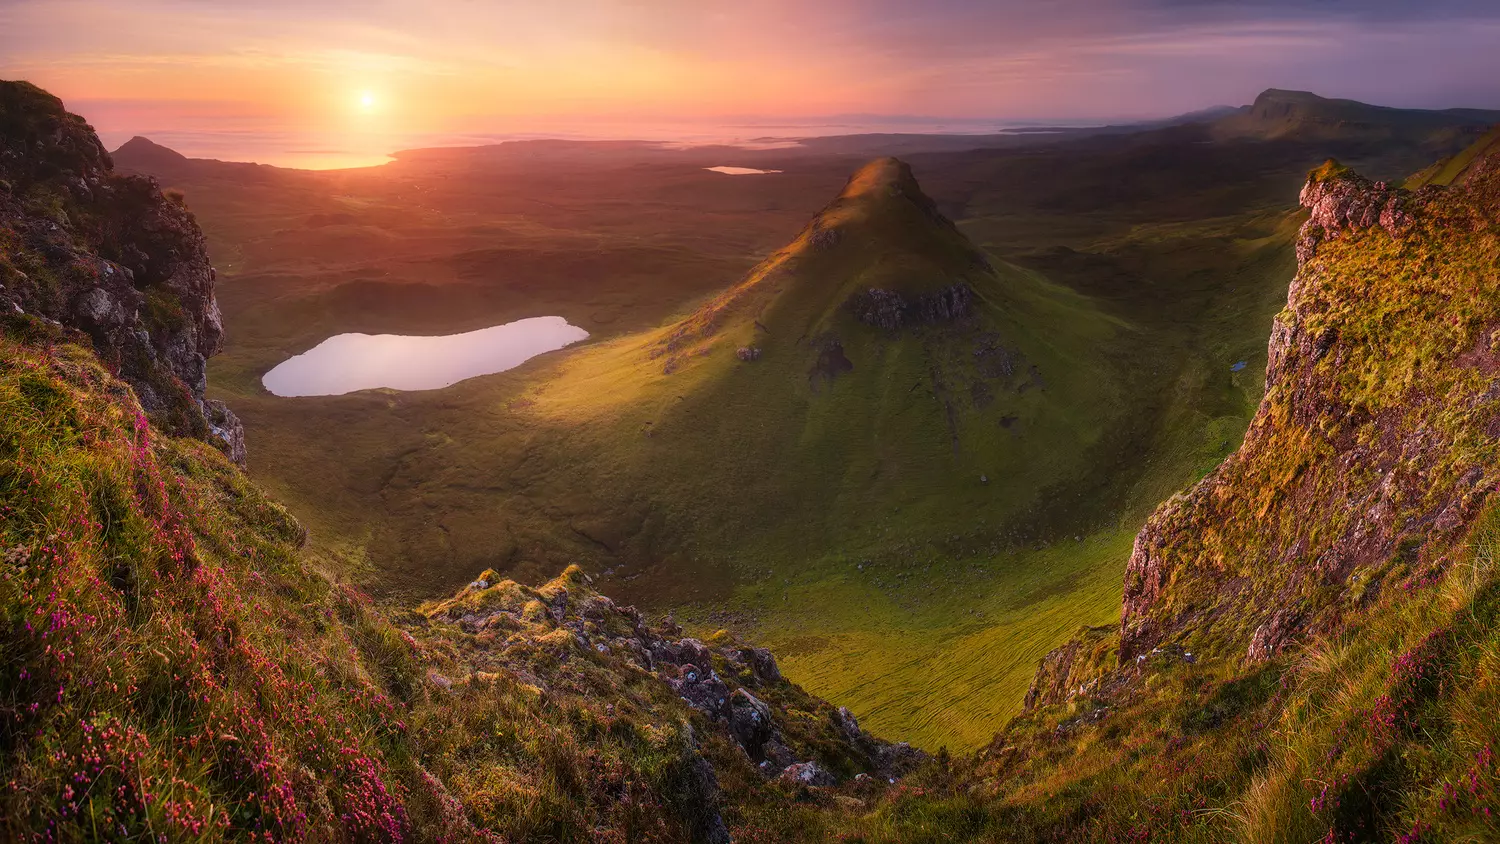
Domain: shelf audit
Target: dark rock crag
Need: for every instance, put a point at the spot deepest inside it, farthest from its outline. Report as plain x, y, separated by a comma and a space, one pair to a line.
110, 256
892, 310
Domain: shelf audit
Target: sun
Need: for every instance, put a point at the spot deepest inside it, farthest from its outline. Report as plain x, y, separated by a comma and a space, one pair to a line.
367, 101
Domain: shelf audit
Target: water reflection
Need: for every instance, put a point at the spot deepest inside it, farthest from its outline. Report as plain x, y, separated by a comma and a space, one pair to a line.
740, 171
350, 362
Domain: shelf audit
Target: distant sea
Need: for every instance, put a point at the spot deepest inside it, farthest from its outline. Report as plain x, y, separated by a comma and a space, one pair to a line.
323, 151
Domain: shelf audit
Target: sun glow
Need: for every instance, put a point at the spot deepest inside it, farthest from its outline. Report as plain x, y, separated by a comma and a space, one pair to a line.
368, 101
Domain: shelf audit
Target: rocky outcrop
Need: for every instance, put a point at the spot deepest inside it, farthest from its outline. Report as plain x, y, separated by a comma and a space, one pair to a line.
1339, 200
737, 689
1074, 669
1377, 440
113, 257
893, 311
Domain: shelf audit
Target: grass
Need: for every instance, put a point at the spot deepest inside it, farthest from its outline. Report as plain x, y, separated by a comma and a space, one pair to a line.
962, 648
710, 502
1134, 302
1372, 725
175, 666
175, 669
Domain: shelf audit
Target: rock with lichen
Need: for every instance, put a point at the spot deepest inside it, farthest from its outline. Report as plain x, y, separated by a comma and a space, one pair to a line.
110, 256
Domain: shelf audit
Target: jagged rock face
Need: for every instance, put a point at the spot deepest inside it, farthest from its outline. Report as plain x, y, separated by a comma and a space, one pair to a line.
892, 311
1071, 670
1376, 440
1341, 200
112, 257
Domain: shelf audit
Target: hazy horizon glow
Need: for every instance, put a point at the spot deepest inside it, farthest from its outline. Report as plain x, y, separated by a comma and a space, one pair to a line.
351, 69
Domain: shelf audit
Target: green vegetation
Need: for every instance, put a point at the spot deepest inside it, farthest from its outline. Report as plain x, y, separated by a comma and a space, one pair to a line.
1379, 732
1373, 444
1315, 623
840, 526
1453, 170
885, 526
176, 670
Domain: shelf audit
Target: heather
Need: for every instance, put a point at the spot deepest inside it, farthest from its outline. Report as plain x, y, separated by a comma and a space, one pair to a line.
176, 667
171, 668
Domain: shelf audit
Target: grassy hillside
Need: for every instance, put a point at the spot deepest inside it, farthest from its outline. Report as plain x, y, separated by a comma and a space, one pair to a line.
762, 494
1316, 622
853, 521
852, 525
176, 669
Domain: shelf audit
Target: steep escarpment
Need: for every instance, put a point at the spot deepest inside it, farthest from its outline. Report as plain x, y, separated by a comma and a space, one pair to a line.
1375, 445
111, 256
1315, 622
1304, 115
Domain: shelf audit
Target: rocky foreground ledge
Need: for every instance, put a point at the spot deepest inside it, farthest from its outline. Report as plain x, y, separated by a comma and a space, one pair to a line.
736, 687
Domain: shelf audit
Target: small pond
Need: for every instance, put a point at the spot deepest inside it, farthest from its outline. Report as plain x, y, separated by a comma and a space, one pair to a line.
740, 171
350, 362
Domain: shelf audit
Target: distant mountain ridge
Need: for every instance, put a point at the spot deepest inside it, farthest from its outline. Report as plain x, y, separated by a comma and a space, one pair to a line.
1279, 113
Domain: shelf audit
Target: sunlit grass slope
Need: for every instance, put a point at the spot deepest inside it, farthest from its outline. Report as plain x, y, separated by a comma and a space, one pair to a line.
883, 501
174, 668
950, 501
843, 434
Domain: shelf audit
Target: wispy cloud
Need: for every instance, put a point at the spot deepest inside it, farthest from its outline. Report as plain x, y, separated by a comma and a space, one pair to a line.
1032, 58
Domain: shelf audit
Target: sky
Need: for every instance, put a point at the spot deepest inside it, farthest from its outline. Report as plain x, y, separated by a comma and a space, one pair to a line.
338, 68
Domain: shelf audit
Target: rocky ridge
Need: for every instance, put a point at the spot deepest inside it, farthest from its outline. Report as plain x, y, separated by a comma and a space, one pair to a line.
112, 257
1373, 450
1348, 480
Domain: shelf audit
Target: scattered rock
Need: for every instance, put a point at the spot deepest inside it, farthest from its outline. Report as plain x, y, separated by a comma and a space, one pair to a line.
749, 720
808, 774
763, 665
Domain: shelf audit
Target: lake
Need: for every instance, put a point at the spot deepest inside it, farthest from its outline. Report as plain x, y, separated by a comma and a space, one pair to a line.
740, 171
350, 362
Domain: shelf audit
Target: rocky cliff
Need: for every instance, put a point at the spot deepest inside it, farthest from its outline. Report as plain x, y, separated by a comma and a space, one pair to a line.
1375, 445
113, 257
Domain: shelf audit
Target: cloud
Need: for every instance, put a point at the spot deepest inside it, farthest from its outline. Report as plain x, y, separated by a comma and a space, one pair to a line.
1002, 58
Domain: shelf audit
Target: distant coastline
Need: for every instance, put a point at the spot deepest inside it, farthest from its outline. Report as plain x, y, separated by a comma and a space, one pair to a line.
326, 151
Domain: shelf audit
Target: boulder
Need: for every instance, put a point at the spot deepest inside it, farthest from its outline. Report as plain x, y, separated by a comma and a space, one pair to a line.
808, 774
750, 721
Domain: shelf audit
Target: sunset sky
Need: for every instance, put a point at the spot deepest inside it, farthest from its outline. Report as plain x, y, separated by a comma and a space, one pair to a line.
498, 65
